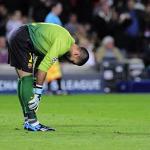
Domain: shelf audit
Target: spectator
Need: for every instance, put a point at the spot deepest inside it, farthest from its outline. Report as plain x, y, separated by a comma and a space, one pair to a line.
39, 9
14, 22
3, 50
3, 19
72, 25
129, 27
102, 22
132, 32
147, 22
146, 35
108, 51
133, 29
54, 73
53, 15
26, 20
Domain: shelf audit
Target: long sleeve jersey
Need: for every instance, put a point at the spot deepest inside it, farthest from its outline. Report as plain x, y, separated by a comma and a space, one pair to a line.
50, 40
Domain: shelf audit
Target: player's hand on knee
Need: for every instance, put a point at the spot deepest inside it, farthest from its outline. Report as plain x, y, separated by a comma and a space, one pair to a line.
34, 102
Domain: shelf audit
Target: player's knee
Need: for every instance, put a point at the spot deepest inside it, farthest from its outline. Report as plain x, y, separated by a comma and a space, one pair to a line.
22, 74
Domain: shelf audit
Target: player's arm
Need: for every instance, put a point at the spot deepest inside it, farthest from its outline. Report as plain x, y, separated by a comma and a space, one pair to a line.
41, 75
50, 58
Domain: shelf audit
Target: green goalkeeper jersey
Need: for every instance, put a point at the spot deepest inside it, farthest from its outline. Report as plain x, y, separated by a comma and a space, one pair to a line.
50, 40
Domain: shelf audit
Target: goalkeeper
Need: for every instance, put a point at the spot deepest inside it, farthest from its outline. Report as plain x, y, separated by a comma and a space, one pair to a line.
48, 42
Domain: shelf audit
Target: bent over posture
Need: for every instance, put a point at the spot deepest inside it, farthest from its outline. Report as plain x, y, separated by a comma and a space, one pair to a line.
48, 42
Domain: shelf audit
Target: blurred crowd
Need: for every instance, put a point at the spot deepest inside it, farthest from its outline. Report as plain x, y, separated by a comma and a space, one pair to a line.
109, 29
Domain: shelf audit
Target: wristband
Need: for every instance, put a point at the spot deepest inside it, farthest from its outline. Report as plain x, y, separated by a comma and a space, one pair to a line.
38, 89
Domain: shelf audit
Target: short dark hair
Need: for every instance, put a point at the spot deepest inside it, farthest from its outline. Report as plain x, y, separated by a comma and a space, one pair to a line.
84, 56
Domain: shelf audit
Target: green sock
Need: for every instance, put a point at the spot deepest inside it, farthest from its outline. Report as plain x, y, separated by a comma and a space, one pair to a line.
21, 102
26, 90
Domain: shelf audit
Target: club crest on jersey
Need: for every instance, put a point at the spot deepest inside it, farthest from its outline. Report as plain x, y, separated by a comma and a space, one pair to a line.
54, 60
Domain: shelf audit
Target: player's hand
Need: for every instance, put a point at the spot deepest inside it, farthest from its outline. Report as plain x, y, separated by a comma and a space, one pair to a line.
34, 102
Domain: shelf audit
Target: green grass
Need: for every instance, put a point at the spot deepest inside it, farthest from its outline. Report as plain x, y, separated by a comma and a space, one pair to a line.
83, 122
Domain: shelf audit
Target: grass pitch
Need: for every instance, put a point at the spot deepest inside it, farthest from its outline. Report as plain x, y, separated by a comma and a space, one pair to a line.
83, 122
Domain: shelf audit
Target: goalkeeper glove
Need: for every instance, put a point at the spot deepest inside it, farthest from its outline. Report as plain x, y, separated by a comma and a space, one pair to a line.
34, 102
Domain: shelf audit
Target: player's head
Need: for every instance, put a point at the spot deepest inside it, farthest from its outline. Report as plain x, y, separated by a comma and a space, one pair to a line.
77, 55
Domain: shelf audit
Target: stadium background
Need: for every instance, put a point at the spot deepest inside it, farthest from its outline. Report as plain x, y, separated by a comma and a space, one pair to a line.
85, 121
115, 32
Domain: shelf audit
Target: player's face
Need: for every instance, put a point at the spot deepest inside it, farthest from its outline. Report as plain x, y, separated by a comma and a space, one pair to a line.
74, 56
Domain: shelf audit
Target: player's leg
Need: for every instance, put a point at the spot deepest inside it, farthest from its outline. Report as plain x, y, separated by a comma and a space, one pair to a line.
21, 102
25, 91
